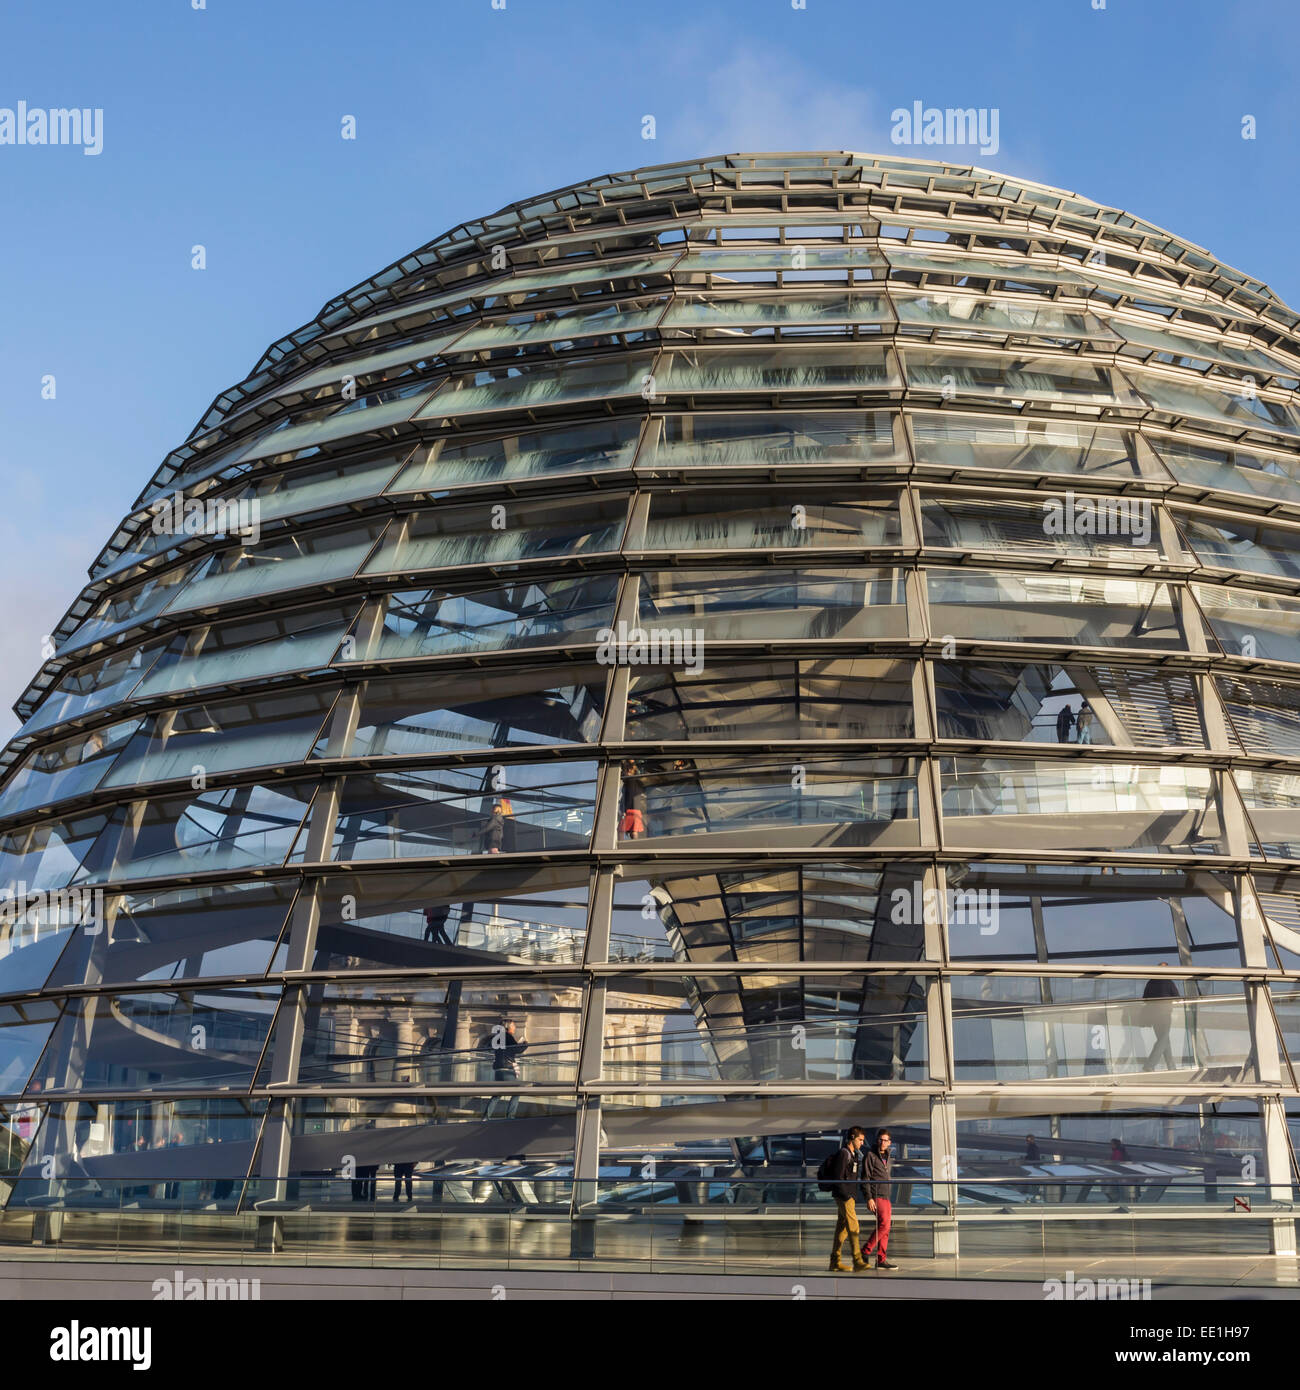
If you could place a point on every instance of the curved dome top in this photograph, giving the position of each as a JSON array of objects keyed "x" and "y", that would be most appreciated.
[
  {"x": 579, "y": 207},
  {"x": 1108, "y": 321}
]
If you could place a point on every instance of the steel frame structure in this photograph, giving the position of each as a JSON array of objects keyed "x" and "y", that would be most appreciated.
[{"x": 880, "y": 342}]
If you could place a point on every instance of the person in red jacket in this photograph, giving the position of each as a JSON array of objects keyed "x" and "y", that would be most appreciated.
[{"x": 877, "y": 1186}]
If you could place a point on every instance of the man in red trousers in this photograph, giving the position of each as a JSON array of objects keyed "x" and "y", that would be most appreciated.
[{"x": 877, "y": 1171}]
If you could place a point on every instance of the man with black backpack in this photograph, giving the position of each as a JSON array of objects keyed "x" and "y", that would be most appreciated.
[{"x": 838, "y": 1175}]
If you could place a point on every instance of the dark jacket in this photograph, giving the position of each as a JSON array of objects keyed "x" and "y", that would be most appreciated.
[
  {"x": 844, "y": 1173},
  {"x": 503, "y": 1058},
  {"x": 1161, "y": 989},
  {"x": 877, "y": 1169}
]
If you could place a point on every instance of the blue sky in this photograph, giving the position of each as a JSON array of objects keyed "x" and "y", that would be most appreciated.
[{"x": 222, "y": 128}]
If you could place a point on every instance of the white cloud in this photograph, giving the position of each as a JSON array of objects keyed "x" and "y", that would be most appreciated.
[{"x": 763, "y": 101}]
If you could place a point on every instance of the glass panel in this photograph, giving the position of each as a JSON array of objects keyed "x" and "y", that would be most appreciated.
[
  {"x": 787, "y": 369},
  {"x": 813, "y": 911},
  {"x": 508, "y": 387},
  {"x": 1272, "y": 800},
  {"x": 1243, "y": 407},
  {"x": 1028, "y": 1028},
  {"x": 455, "y": 1031},
  {"x": 331, "y": 485},
  {"x": 973, "y": 271},
  {"x": 1030, "y": 446},
  {"x": 579, "y": 449},
  {"x": 609, "y": 323},
  {"x": 1236, "y": 470},
  {"x": 1078, "y": 610},
  {"x": 1071, "y": 912},
  {"x": 713, "y": 261},
  {"x": 1182, "y": 350},
  {"x": 506, "y": 291},
  {"x": 498, "y": 709},
  {"x": 736, "y": 1028},
  {"x": 259, "y": 731},
  {"x": 531, "y": 613},
  {"x": 265, "y": 500},
  {"x": 118, "y": 610},
  {"x": 221, "y": 828},
  {"x": 471, "y": 916},
  {"x": 773, "y": 605},
  {"x": 755, "y": 1153},
  {"x": 441, "y": 811},
  {"x": 50, "y": 855},
  {"x": 1174, "y": 1155},
  {"x": 1264, "y": 715},
  {"x": 1250, "y": 624},
  {"x": 857, "y": 801},
  {"x": 727, "y": 311},
  {"x": 305, "y": 559},
  {"x": 425, "y": 351},
  {"x": 24, "y": 1031},
  {"x": 367, "y": 414},
  {"x": 1243, "y": 546},
  {"x": 968, "y": 316},
  {"x": 1110, "y": 528},
  {"x": 67, "y": 769},
  {"x": 443, "y": 1151},
  {"x": 141, "y": 1154},
  {"x": 1055, "y": 379},
  {"x": 269, "y": 644},
  {"x": 91, "y": 687},
  {"x": 169, "y": 1040},
  {"x": 774, "y": 700},
  {"x": 180, "y": 934},
  {"x": 1066, "y": 704},
  {"x": 1009, "y": 803},
  {"x": 695, "y": 520},
  {"x": 479, "y": 535},
  {"x": 34, "y": 929},
  {"x": 770, "y": 439}
]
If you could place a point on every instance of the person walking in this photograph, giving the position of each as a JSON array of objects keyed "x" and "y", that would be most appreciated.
[
  {"x": 1064, "y": 723},
  {"x": 435, "y": 924},
  {"x": 1118, "y": 1154},
  {"x": 877, "y": 1184},
  {"x": 505, "y": 1047},
  {"x": 632, "y": 823},
  {"x": 500, "y": 1041},
  {"x": 844, "y": 1173},
  {"x": 1158, "y": 996},
  {"x": 494, "y": 831}
]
